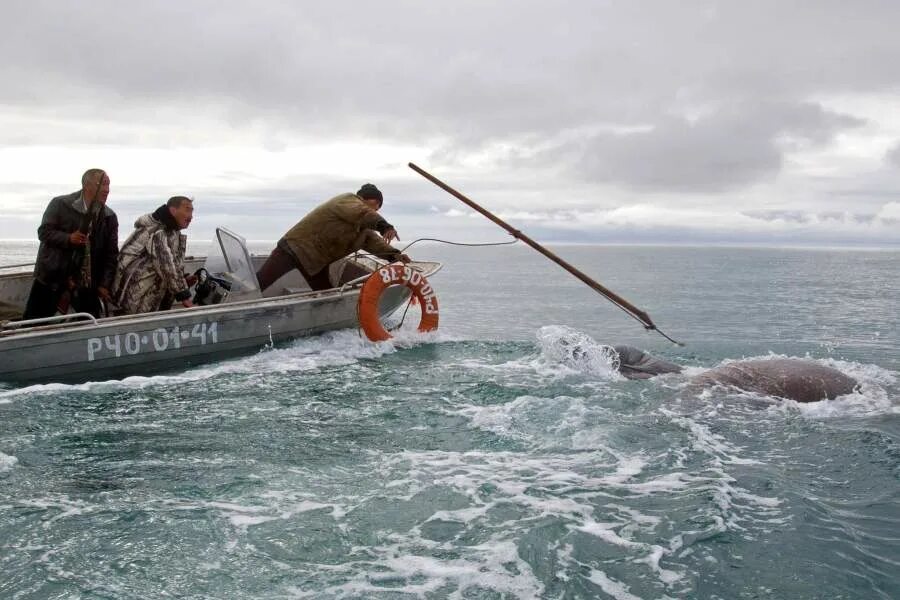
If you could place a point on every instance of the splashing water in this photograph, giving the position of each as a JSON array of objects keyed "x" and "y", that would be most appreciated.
[{"x": 577, "y": 351}]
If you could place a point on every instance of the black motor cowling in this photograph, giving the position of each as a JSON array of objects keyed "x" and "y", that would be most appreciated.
[{"x": 210, "y": 289}]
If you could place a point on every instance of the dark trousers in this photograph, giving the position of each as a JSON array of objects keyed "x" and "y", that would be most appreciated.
[
  {"x": 43, "y": 301},
  {"x": 281, "y": 262}
]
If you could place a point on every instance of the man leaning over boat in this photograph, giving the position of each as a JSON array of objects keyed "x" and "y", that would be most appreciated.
[
  {"x": 76, "y": 260},
  {"x": 150, "y": 274},
  {"x": 331, "y": 231}
]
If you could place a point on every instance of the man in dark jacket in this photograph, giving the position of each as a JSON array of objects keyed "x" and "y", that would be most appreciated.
[
  {"x": 331, "y": 231},
  {"x": 79, "y": 245}
]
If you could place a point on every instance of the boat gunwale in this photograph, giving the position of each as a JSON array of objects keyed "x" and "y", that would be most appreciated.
[{"x": 213, "y": 309}]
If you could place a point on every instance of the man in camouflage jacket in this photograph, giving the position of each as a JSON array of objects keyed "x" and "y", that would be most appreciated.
[{"x": 150, "y": 274}]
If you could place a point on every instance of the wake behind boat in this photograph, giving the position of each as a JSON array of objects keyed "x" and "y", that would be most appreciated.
[{"x": 79, "y": 347}]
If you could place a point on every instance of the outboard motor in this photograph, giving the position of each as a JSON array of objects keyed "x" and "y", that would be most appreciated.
[{"x": 210, "y": 289}]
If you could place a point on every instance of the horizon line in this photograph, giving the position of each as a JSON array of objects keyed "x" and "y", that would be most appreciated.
[{"x": 667, "y": 244}]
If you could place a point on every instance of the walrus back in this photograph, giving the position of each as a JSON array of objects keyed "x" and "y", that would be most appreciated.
[{"x": 800, "y": 380}]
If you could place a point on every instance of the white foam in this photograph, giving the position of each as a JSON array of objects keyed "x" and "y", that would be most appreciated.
[
  {"x": 240, "y": 516},
  {"x": 516, "y": 418},
  {"x": 563, "y": 353},
  {"x": 244, "y": 521},
  {"x": 334, "y": 348},
  {"x": 655, "y": 554},
  {"x": 616, "y": 589},
  {"x": 541, "y": 422},
  {"x": 636, "y": 517},
  {"x": 862, "y": 372},
  {"x": 65, "y": 505},
  {"x": 605, "y": 532},
  {"x": 537, "y": 485},
  {"x": 706, "y": 441},
  {"x": 7, "y": 462},
  {"x": 869, "y": 401},
  {"x": 626, "y": 468},
  {"x": 670, "y": 482},
  {"x": 462, "y": 515},
  {"x": 226, "y": 506},
  {"x": 758, "y": 500},
  {"x": 397, "y": 568}
]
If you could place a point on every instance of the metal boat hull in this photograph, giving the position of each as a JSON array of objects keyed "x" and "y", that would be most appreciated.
[{"x": 152, "y": 343}]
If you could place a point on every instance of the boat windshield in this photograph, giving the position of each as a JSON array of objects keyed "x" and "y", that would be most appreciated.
[{"x": 230, "y": 260}]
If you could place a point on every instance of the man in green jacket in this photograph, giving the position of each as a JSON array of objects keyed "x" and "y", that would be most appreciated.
[{"x": 331, "y": 231}]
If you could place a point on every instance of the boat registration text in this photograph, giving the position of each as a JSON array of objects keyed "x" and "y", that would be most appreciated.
[{"x": 158, "y": 340}]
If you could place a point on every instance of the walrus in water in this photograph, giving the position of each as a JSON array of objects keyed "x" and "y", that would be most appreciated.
[
  {"x": 634, "y": 363},
  {"x": 796, "y": 379}
]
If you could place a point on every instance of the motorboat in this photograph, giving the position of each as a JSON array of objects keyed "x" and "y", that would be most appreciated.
[{"x": 76, "y": 347}]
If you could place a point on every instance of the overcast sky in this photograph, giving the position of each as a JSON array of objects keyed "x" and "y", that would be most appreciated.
[{"x": 593, "y": 121}]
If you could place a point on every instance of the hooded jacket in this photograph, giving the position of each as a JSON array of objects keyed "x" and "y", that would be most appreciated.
[
  {"x": 335, "y": 229},
  {"x": 150, "y": 272}
]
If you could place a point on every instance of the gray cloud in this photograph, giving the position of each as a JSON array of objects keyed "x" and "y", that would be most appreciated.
[
  {"x": 892, "y": 157},
  {"x": 793, "y": 216},
  {"x": 801, "y": 218},
  {"x": 469, "y": 69},
  {"x": 555, "y": 102},
  {"x": 726, "y": 149}
]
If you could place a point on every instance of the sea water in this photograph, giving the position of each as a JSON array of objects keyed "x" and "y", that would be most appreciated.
[{"x": 487, "y": 460}]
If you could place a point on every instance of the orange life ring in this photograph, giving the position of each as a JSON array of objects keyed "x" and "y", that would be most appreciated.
[{"x": 380, "y": 280}]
